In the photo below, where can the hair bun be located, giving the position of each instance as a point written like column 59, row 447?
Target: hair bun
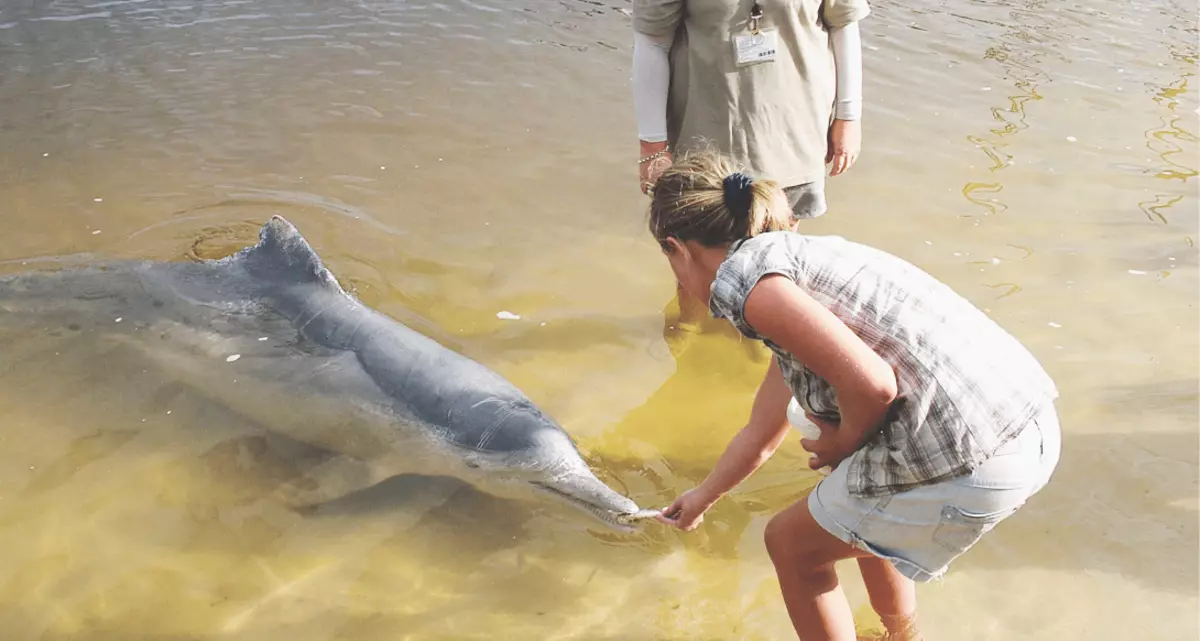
column 738, row 194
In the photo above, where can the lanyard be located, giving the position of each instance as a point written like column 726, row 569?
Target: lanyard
column 756, row 14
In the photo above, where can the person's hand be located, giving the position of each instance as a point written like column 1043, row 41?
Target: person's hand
column 687, row 512
column 650, row 170
column 830, row 448
column 845, row 143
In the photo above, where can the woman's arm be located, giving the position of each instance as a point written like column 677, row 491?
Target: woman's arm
column 651, row 79
column 758, row 440
column 847, row 59
column 749, row 449
column 651, row 82
column 845, row 133
column 865, row 384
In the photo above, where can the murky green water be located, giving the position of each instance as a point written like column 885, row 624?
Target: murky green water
column 452, row 160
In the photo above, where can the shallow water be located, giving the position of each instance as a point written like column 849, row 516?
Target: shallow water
column 452, row 160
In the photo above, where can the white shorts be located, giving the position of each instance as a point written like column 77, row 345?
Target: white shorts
column 921, row 531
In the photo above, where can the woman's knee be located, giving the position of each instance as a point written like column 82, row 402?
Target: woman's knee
column 777, row 538
column 794, row 538
column 786, row 542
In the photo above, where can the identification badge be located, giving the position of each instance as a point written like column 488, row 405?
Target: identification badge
column 752, row 48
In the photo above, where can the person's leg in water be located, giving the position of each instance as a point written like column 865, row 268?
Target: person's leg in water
column 893, row 597
column 804, row 555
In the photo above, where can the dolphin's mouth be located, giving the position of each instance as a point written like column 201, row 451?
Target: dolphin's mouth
column 619, row 520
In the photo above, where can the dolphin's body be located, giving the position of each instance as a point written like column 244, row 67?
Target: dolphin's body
column 316, row 365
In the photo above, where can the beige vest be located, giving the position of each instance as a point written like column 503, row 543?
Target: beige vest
column 772, row 117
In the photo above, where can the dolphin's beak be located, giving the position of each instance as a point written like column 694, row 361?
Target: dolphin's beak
column 588, row 493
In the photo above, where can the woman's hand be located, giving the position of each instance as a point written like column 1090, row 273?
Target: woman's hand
column 687, row 512
column 650, row 170
column 845, row 143
column 828, row 449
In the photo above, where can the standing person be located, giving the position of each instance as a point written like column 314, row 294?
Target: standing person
column 937, row 423
column 775, row 84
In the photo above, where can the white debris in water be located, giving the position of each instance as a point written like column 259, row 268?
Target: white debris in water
column 1072, row 139
column 46, row 155
column 97, row 200
column 543, row 324
column 1137, row 272
column 1054, row 324
column 168, row 412
column 382, row 168
column 985, row 89
column 262, row 338
column 995, row 261
column 96, row 233
column 929, row 242
column 504, row 315
column 119, row 319
column 232, row 357
column 1171, row 258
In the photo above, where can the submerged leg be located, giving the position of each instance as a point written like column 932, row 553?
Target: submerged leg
column 893, row 597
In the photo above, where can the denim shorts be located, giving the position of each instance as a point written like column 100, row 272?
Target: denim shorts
column 921, row 531
column 807, row 200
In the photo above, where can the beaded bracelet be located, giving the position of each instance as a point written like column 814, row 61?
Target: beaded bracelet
column 658, row 154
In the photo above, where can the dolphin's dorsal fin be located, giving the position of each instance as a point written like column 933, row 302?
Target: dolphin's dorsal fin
column 282, row 255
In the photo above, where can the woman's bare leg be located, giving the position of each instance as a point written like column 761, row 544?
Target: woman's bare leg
column 803, row 554
column 893, row 597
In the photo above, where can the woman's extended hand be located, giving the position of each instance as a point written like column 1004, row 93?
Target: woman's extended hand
column 845, row 143
column 650, row 170
column 687, row 512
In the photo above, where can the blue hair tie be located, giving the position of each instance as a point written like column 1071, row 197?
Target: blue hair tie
column 737, row 194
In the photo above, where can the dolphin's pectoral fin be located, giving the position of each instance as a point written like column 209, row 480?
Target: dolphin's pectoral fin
column 331, row 480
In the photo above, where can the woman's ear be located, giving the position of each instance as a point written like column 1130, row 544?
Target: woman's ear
column 672, row 246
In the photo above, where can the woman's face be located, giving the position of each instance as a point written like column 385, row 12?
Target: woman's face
column 690, row 272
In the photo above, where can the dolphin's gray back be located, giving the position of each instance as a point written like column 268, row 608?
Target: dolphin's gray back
column 465, row 402
column 280, row 287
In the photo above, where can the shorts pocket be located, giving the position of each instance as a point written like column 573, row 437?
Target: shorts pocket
column 958, row 529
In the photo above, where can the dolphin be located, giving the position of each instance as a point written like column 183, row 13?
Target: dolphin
column 270, row 332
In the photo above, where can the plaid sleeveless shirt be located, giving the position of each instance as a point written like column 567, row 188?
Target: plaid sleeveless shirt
column 966, row 386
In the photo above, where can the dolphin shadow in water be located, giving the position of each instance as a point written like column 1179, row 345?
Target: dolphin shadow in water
column 271, row 333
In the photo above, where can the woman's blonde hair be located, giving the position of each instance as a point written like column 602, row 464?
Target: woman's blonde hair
column 704, row 197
